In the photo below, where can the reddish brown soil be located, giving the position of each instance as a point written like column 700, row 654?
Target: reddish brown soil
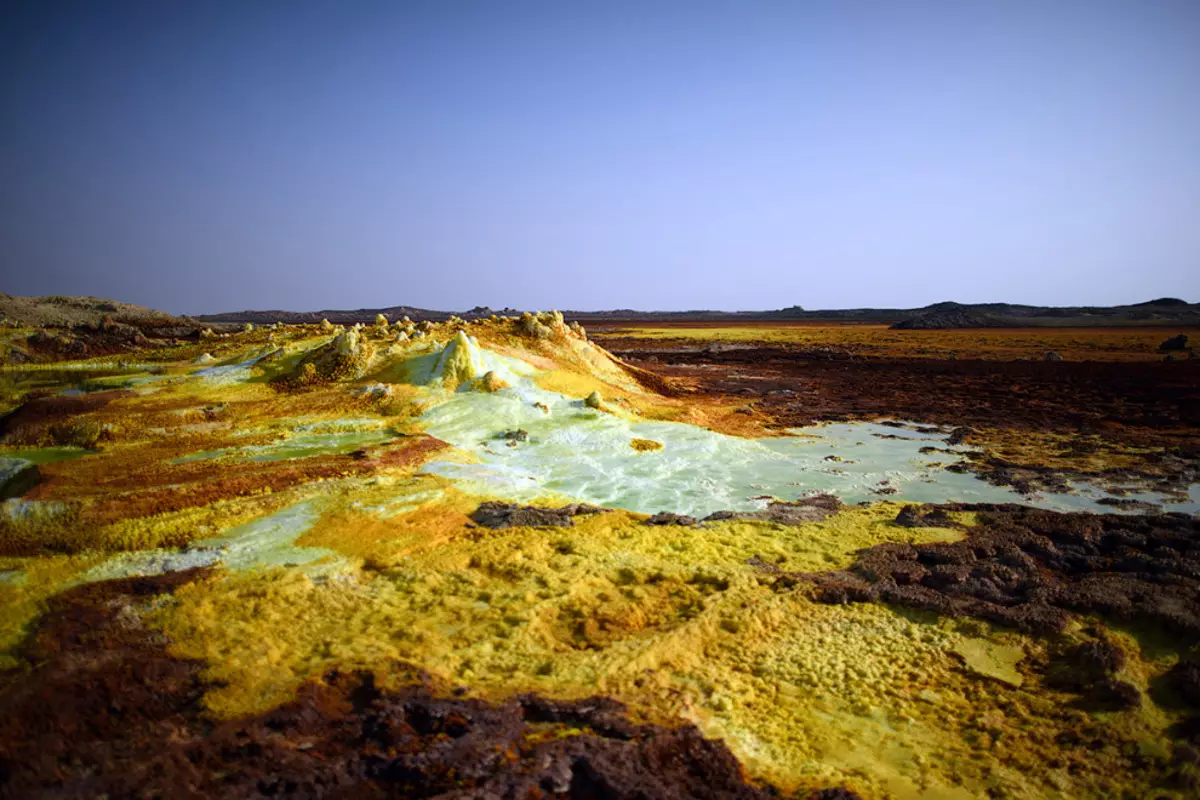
column 105, row 711
column 148, row 488
column 802, row 386
column 34, row 420
column 87, row 341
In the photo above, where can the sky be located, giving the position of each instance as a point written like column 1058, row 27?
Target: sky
column 207, row 156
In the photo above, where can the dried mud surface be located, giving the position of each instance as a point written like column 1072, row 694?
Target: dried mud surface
column 105, row 711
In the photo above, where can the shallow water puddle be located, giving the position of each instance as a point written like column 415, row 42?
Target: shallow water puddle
column 265, row 542
column 43, row 455
column 301, row 446
column 18, row 466
column 583, row 454
column 79, row 379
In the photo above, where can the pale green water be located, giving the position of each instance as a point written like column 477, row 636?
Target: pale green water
column 302, row 445
column 239, row 372
column 269, row 541
column 44, row 455
column 78, row 378
column 265, row 542
column 582, row 454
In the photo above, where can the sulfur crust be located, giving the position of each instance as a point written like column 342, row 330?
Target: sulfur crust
column 671, row 620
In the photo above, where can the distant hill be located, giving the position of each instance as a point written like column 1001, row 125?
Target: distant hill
column 61, row 310
column 67, row 311
column 1163, row 311
column 956, row 318
column 948, row 314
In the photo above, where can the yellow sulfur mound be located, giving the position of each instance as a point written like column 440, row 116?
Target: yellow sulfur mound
column 460, row 362
column 490, row 382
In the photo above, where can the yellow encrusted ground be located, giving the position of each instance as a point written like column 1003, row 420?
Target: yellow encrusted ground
column 673, row 621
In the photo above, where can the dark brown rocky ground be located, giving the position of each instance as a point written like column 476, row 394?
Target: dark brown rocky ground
column 800, row 387
column 1030, row 569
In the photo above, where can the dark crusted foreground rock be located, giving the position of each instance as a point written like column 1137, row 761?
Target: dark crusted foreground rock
column 1029, row 569
column 510, row 515
column 670, row 518
column 806, row 509
column 1179, row 342
column 918, row 517
column 1091, row 670
column 105, row 711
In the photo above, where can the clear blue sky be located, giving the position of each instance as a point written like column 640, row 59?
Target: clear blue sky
column 209, row 156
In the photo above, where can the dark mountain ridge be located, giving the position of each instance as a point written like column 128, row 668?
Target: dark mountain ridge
column 946, row 314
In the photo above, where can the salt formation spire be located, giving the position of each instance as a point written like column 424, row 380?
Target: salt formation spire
column 460, row 362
